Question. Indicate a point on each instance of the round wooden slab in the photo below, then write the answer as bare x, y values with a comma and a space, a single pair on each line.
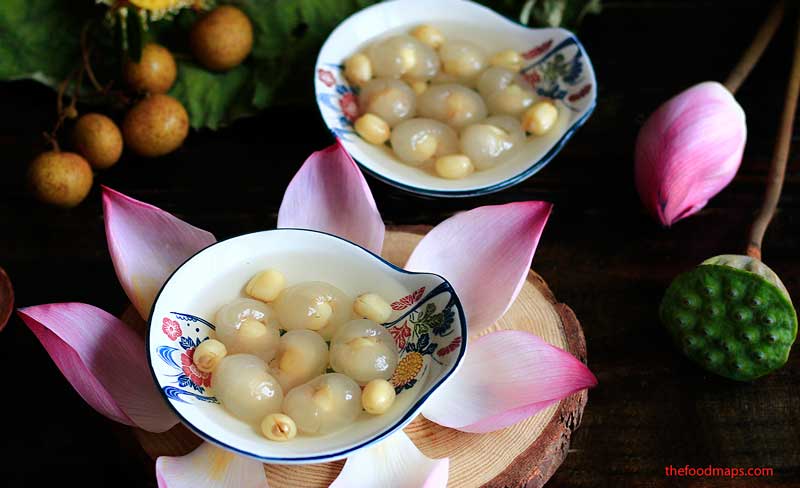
523, 455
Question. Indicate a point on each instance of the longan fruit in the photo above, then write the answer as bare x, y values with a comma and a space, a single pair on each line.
155, 126
222, 38
98, 139
60, 178
154, 73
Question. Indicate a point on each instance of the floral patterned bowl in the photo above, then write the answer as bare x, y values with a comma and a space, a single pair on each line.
556, 65
427, 323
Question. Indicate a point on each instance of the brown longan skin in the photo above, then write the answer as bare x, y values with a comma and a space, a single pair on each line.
98, 139
60, 178
155, 126
222, 39
154, 73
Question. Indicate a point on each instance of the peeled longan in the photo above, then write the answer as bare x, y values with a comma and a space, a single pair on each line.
512, 100
60, 178
155, 72
391, 100
364, 351
492, 140
245, 388
98, 139
222, 39
453, 104
248, 326
495, 79
313, 305
417, 141
403, 55
462, 59
325, 404
302, 356
155, 126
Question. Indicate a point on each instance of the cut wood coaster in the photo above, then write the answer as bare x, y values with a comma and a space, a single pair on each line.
523, 455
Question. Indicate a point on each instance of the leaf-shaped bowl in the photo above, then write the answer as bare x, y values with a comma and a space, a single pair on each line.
556, 64
427, 323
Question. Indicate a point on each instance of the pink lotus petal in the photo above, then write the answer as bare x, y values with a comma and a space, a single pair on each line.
103, 359
209, 466
689, 150
330, 194
510, 417
394, 463
147, 244
505, 377
485, 253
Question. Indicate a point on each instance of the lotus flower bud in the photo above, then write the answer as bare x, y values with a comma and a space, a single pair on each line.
689, 150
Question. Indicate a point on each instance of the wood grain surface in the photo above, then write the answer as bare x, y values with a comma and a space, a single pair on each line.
531, 450
600, 253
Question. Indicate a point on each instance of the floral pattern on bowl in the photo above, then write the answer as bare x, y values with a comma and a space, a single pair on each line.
555, 65
427, 324
189, 381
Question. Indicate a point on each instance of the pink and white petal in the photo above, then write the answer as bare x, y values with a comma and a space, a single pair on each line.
209, 466
147, 244
505, 377
103, 359
485, 254
330, 194
508, 418
394, 463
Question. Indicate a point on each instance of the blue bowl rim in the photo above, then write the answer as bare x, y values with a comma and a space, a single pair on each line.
534, 168
402, 422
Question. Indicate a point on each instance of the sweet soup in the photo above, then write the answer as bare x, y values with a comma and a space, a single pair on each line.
304, 359
446, 105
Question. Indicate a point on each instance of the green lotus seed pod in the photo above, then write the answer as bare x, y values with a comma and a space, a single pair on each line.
732, 315
752, 265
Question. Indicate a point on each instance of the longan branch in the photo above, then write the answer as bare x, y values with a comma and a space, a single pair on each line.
61, 111
780, 156
85, 58
753, 53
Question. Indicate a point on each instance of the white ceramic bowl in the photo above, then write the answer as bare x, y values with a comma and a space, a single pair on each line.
427, 323
556, 63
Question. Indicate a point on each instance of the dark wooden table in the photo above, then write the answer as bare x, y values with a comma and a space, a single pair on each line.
600, 253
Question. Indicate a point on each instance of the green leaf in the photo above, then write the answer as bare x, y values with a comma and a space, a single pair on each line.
40, 39
213, 98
